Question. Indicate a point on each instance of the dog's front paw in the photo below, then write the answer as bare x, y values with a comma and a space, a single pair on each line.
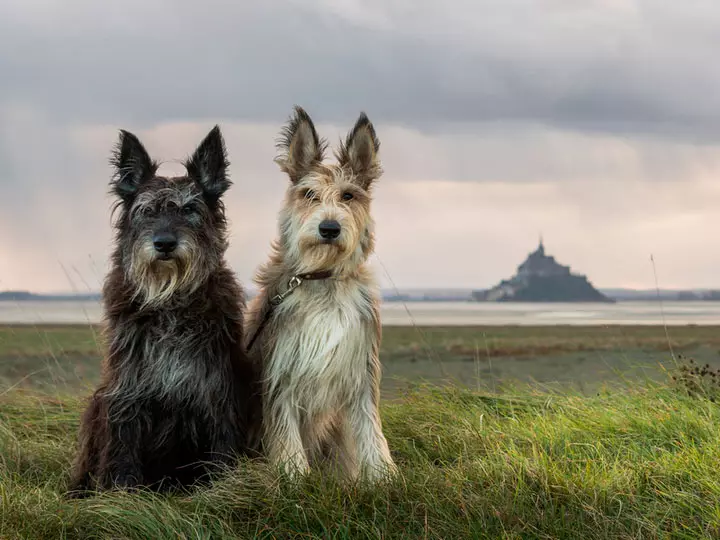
127, 481
379, 471
295, 468
78, 493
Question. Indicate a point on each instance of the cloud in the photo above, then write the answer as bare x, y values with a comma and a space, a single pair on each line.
644, 66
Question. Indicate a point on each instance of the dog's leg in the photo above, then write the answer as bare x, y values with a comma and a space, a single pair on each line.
283, 440
92, 433
121, 465
343, 449
228, 441
373, 453
223, 451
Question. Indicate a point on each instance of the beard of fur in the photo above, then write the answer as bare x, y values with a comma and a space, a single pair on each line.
314, 256
159, 281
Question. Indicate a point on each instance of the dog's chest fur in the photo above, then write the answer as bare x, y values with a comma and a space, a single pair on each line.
323, 345
171, 360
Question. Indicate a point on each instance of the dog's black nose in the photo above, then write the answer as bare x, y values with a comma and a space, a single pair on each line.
165, 242
329, 229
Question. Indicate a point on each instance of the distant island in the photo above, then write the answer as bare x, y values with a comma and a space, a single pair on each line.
540, 278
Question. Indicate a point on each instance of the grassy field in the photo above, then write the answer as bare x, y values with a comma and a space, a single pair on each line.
67, 358
491, 458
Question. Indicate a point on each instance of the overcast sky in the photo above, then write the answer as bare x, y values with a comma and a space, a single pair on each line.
593, 122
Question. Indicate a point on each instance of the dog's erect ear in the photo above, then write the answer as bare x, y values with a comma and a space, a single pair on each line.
359, 152
208, 165
132, 165
300, 146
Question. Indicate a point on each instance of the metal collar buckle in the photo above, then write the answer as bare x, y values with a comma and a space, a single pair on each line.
293, 284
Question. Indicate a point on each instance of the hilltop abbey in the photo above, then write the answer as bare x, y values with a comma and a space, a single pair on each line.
540, 278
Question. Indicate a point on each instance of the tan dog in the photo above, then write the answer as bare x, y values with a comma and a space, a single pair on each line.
315, 324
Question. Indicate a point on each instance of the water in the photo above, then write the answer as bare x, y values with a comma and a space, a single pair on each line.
434, 313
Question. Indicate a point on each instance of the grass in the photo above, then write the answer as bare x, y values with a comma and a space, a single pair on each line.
67, 358
400, 342
637, 461
638, 464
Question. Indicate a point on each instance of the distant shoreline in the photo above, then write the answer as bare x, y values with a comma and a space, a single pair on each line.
618, 295
24, 296
419, 313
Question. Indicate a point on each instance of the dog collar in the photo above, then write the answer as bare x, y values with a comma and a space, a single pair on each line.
276, 300
296, 281
324, 274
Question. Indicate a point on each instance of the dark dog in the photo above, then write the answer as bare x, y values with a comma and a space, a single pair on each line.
178, 395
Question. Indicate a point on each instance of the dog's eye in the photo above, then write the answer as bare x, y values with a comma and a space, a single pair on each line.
187, 209
347, 196
310, 195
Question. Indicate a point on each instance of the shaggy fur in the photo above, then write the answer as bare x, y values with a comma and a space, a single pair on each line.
178, 395
319, 347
